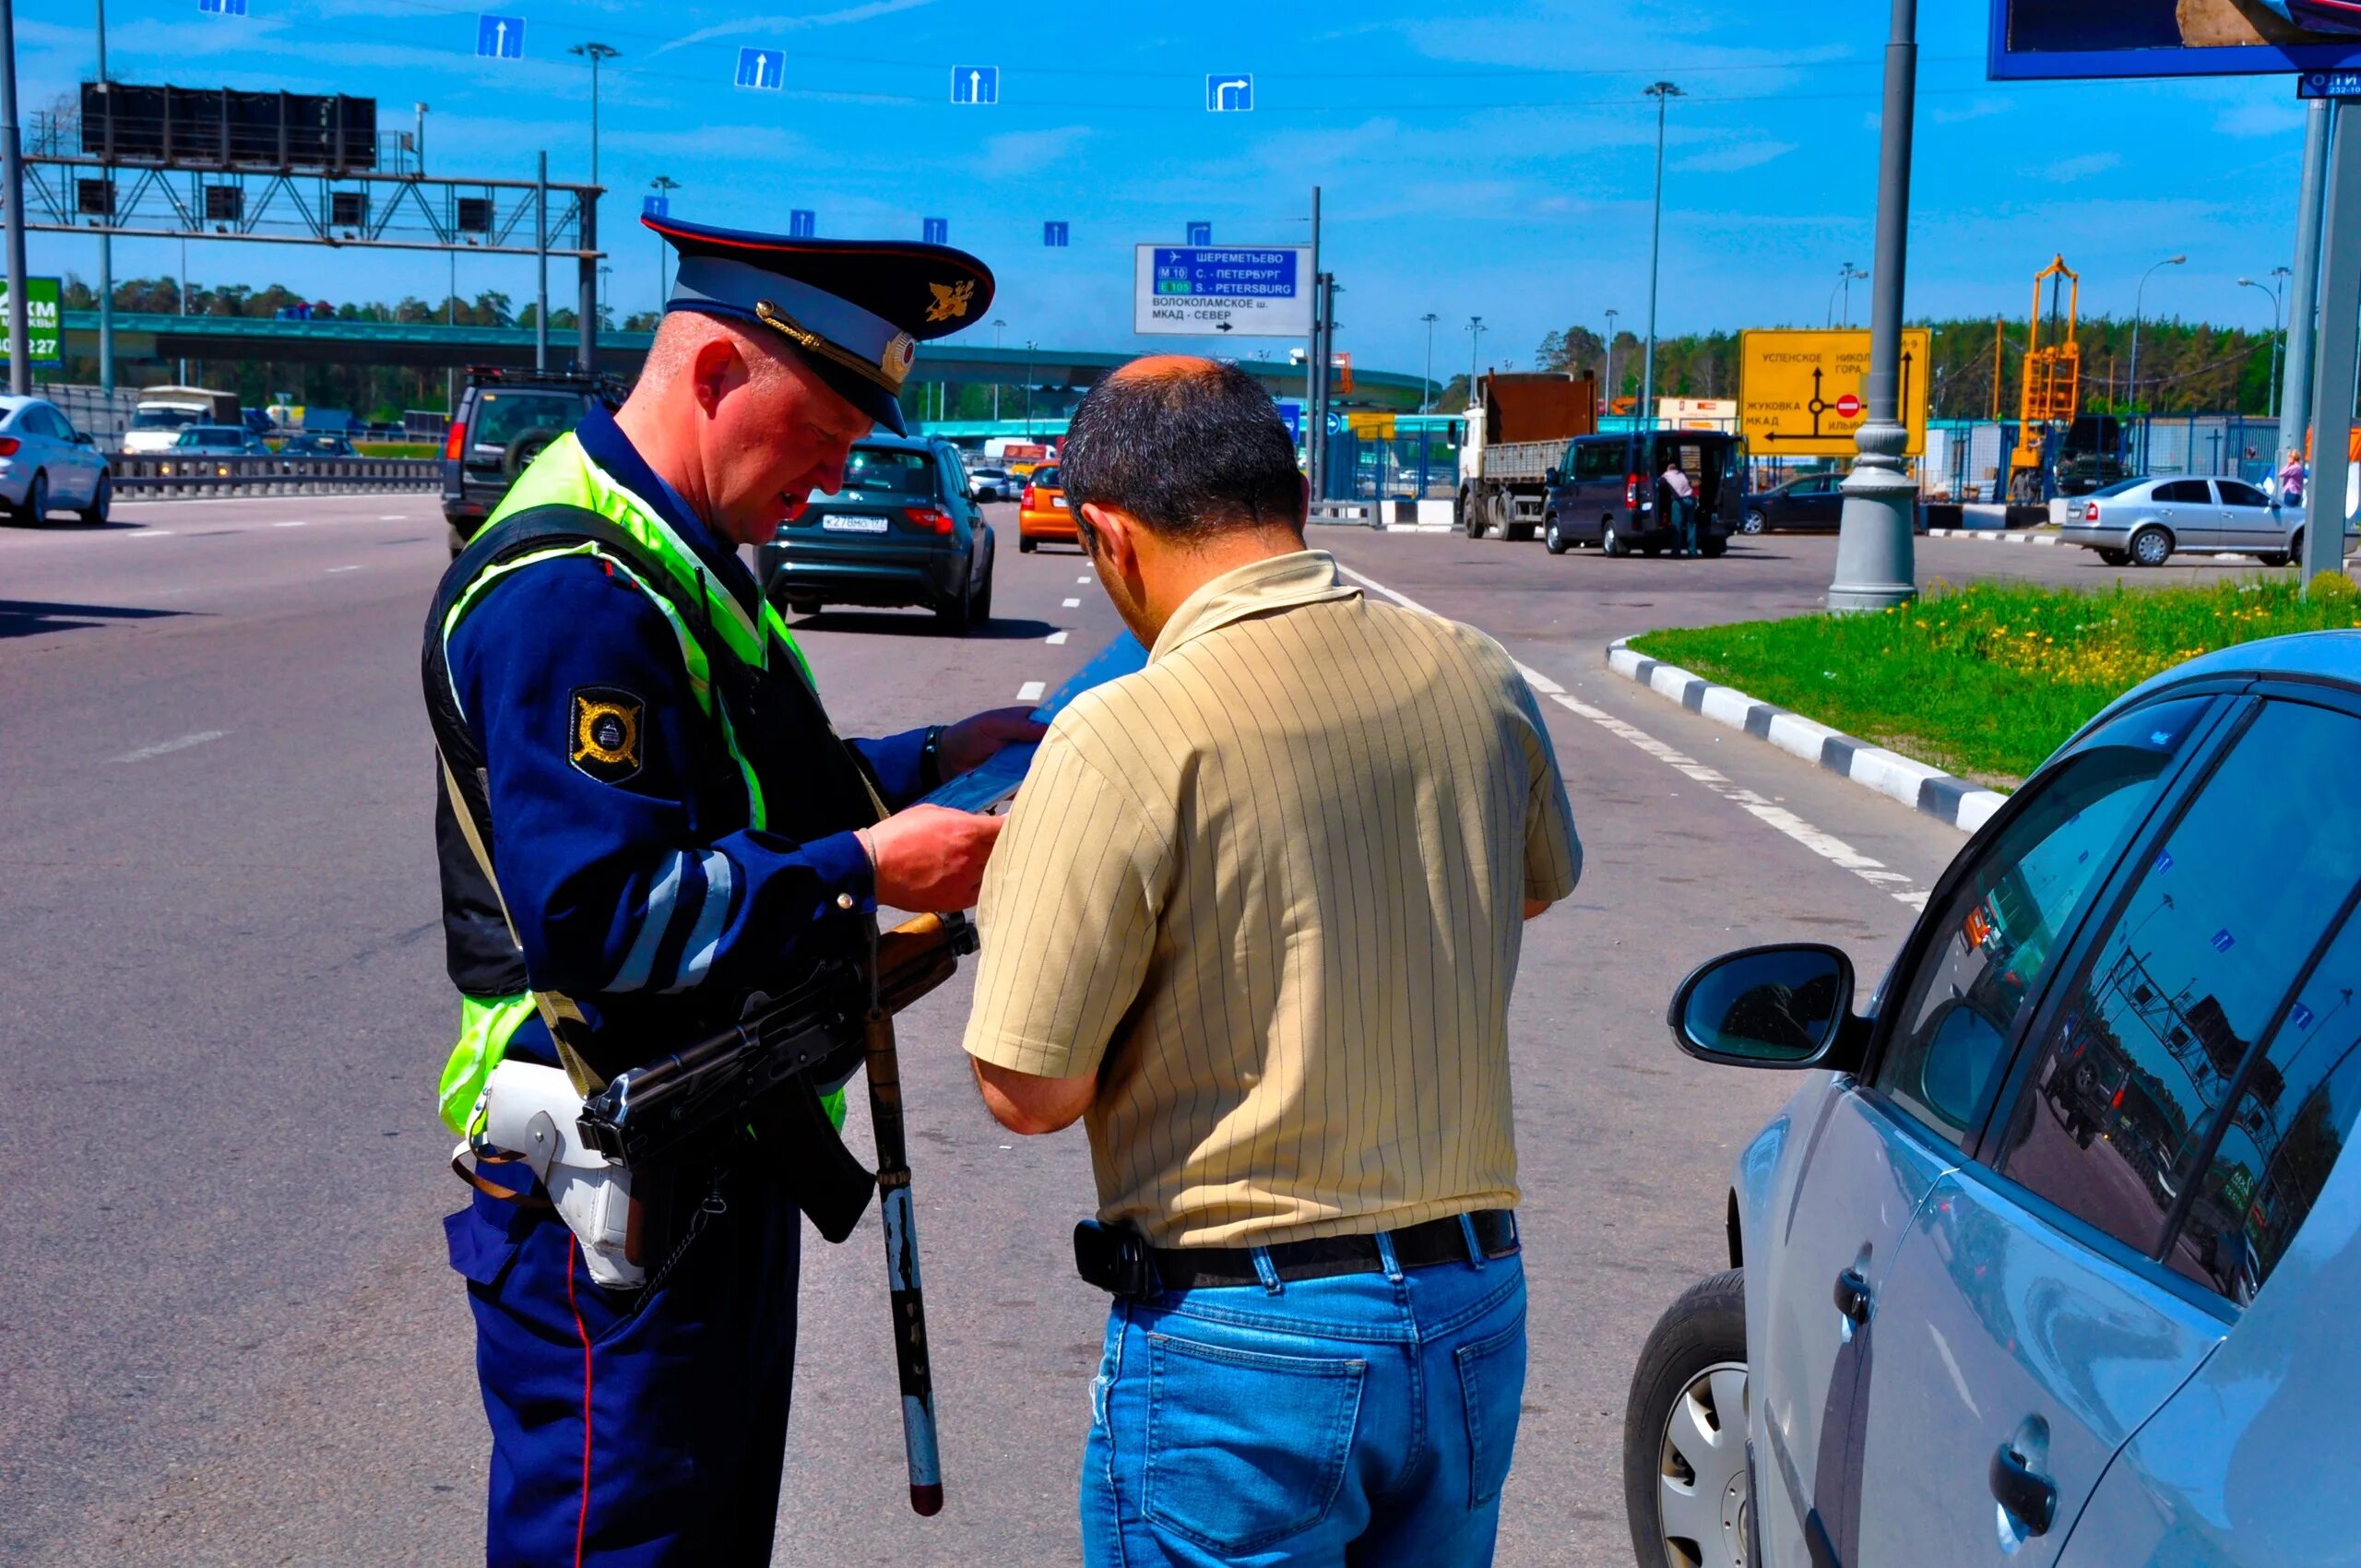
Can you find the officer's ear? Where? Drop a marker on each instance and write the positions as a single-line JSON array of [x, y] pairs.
[[716, 369]]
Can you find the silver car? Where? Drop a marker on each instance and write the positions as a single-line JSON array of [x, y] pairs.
[[46, 464], [2150, 520]]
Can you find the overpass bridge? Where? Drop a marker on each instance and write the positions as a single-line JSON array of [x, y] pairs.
[[156, 337]]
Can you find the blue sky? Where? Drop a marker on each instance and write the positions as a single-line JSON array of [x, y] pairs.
[[1492, 161]]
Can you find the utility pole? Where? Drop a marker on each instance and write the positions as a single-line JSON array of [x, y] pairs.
[[1315, 377], [540, 262], [2139, 303], [12, 169], [593, 53], [1427, 385], [2304, 294], [663, 185], [106, 242], [1664, 93], [1029, 346], [2332, 396], [1606, 400], [997, 324], [1874, 568], [2271, 289], [1476, 330]]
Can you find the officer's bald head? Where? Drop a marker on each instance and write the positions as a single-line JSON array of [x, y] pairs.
[[1189, 447]]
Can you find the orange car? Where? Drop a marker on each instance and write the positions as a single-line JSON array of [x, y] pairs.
[[1042, 511]]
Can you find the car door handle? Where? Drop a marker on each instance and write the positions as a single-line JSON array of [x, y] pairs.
[[1853, 1297], [2030, 1497]]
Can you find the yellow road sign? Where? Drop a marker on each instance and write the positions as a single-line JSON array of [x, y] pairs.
[[1800, 394], [1371, 427]]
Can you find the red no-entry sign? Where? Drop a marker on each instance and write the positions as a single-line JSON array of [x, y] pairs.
[[1850, 406]]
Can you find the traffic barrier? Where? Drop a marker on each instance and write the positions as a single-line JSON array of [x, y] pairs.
[[149, 476], [1352, 513]]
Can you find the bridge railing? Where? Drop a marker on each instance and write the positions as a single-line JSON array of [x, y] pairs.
[[162, 475]]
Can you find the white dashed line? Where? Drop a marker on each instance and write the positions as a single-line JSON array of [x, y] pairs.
[[180, 744], [1082, 579], [394, 518], [1057, 639], [1826, 845], [1073, 604], [298, 523], [150, 534], [1031, 691], [333, 570]]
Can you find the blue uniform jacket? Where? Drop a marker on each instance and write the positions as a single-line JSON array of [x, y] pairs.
[[653, 883]]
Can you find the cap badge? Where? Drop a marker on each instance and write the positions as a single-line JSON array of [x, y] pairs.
[[950, 300], [901, 355]]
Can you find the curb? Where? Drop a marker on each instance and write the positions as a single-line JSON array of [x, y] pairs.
[[1949, 800], [1995, 535]]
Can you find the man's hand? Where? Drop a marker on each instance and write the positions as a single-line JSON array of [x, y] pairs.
[[931, 858], [971, 742]]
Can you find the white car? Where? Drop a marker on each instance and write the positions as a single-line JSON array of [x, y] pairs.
[[45, 464], [2148, 521]]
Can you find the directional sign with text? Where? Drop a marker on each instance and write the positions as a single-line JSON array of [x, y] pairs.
[[975, 85], [1223, 291], [2329, 84], [498, 38], [41, 296], [1800, 392], [1230, 92], [762, 69]]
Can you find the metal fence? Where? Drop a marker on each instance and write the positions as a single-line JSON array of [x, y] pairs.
[[152, 476], [1967, 458]]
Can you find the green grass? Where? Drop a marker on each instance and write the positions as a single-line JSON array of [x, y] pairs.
[[1987, 681]]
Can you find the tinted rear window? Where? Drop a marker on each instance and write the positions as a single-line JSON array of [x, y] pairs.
[[214, 435], [890, 471], [2119, 487], [1047, 479], [502, 417], [162, 418]]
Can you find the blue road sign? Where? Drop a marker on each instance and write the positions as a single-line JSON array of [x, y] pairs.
[[1053, 233], [975, 85], [222, 8], [803, 223], [2329, 84], [1292, 411], [936, 231], [2224, 941], [654, 207], [763, 69], [1261, 273], [498, 38], [1230, 92], [1201, 233], [2300, 1016]]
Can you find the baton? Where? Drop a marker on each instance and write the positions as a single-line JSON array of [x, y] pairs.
[[907, 1304]]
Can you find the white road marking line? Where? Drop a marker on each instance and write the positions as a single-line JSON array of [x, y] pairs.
[[394, 518], [1057, 639], [1082, 579], [1825, 845], [1031, 691], [298, 523], [162, 747], [333, 570], [1072, 604], [150, 534]]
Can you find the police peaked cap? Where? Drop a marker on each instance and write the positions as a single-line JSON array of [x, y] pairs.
[[855, 309]]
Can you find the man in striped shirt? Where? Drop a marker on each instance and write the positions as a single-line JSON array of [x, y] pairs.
[[1256, 915]]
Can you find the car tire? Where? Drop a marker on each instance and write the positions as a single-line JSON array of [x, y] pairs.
[[1753, 522], [2274, 558], [1553, 538], [1471, 513], [35, 511], [1026, 546], [983, 606], [2152, 546], [525, 448], [2116, 557], [102, 499], [804, 607], [1684, 1423], [957, 618], [2295, 549], [1610, 542]]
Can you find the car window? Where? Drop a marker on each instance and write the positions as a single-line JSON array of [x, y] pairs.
[[2294, 1114], [2115, 1114], [892, 471], [1992, 941], [1047, 478], [502, 417], [2117, 488], [1599, 459], [45, 422], [2184, 491], [2235, 493]]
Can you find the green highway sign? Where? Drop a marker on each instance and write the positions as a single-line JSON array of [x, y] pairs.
[[40, 321]]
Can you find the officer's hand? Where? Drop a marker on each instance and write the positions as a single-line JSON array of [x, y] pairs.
[[931, 858], [971, 742]]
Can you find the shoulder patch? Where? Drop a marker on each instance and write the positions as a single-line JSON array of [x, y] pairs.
[[603, 733]]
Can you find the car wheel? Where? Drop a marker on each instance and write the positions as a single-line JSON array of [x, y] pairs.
[[2275, 558], [1687, 1492], [101, 497], [957, 618], [2116, 557], [984, 600], [804, 607], [2295, 548], [1552, 538], [1610, 541], [35, 511], [1471, 513], [1026, 546], [1753, 522], [2152, 547]]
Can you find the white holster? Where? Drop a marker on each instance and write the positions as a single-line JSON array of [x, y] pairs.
[[529, 1111]]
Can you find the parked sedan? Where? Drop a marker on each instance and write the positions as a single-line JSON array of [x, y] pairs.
[[46, 463], [2149, 520], [901, 530], [2051, 1258], [1813, 501]]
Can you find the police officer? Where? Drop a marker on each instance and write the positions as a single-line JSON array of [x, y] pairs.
[[646, 817]]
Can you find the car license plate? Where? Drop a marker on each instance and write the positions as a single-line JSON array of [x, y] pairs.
[[853, 525], [1059, 501]]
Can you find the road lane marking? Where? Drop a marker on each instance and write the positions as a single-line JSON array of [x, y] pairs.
[[1082, 579], [394, 518], [333, 570], [1031, 691], [179, 743], [1058, 639], [1770, 812], [150, 534], [1072, 604], [298, 523]]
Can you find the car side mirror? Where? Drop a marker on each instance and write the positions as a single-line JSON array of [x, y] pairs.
[[1552, 479], [83, 438], [1789, 1006]]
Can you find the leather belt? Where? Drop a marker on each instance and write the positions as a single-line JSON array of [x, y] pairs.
[[1416, 1246]]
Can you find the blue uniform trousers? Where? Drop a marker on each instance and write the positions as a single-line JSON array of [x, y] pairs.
[[630, 1433]]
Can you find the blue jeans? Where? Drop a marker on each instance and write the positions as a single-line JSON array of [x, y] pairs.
[[1367, 1419]]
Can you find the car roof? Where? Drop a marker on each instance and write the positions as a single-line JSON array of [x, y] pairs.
[[2331, 658], [894, 444]]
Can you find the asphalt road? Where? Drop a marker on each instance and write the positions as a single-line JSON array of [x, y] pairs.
[[231, 1334]]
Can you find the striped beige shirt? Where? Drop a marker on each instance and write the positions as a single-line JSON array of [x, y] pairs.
[[1270, 889]]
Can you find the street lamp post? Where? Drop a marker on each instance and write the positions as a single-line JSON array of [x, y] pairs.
[[20, 370], [2139, 300], [593, 53], [2275, 304], [663, 185], [1845, 275], [1426, 386], [1029, 389], [997, 324], [106, 242], [1475, 339], [1606, 401], [1664, 93]]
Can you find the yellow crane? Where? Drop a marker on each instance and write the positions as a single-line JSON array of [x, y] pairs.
[[2053, 382]]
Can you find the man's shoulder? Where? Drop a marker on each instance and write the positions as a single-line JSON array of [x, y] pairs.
[[567, 611]]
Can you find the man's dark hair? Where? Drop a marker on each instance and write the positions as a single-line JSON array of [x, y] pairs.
[[1188, 451]]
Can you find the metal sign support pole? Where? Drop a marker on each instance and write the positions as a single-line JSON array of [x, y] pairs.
[[2339, 351], [106, 244], [1874, 565], [12, 172], [2303, 304], [541, 262], [586, 284], [1315, 375]]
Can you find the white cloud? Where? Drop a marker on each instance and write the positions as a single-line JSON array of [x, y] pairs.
[[1020, 154], [754, 27], [2084, 167], [1979, 106], [2266, 117], [1730, 159]]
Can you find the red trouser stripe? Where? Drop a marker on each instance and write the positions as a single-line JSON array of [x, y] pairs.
[[582, 1518]]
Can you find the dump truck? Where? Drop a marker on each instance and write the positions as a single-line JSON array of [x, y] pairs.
[[1517, 432]]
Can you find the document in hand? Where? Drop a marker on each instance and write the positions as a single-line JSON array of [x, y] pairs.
[[983, 789]]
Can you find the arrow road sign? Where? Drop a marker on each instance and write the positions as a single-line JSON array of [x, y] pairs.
[[1201, 233], [497, 38], [1804, 394], [935, 230], [978, 85], [1230, 93], [803, 223], [1053, 233], [654, 207], [762, 69], [222, 8]]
